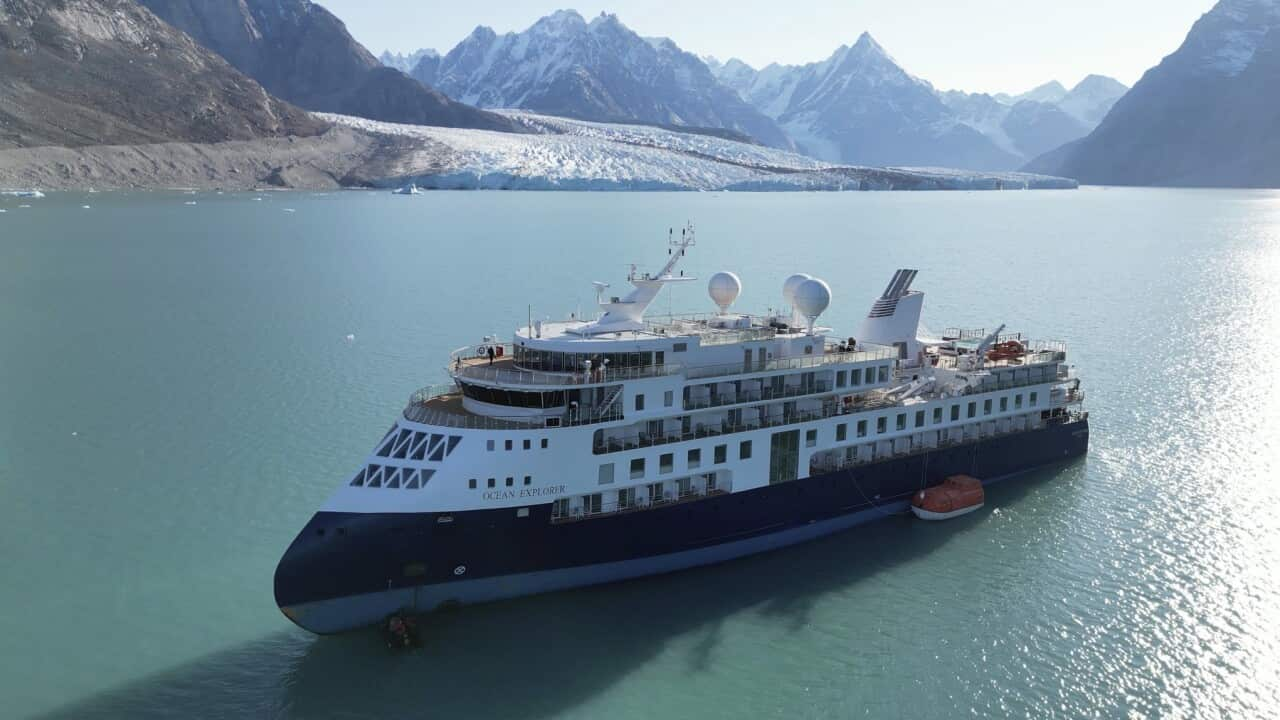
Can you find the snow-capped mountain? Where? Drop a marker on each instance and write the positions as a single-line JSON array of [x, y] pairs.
[[406, 62], [860, 106], [1206, 115], [1040, 119], [597, 70]]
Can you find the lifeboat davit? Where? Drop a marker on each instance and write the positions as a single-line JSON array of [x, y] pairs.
[[957, 495]]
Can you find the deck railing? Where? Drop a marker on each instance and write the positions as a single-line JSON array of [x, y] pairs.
[[508, 374], [421, 410]]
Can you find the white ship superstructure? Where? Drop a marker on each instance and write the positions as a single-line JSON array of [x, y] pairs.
[[585, 451]]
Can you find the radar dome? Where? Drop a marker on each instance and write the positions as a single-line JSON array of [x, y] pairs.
[[812, 298], [789, 287], [724, 288]]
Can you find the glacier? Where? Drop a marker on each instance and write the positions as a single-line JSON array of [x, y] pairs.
[[565, 154]]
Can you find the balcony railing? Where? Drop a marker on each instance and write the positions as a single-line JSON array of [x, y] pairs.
[[636, 505]]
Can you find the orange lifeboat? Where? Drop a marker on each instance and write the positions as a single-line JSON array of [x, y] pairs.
[[957, 495]]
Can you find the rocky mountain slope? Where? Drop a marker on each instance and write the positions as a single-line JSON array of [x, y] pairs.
[[598, 70], [1209, 114], [302, 53], [90, 72]]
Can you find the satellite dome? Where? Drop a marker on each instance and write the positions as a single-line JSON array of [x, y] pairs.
[[812, 298], [790, 284], [724, 288]]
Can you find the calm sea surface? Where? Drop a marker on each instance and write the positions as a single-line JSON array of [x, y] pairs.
[[178, 395]]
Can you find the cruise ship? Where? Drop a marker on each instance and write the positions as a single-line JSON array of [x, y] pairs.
[[586, 451]]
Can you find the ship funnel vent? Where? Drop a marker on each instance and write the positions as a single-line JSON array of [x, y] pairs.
[[898, 287]]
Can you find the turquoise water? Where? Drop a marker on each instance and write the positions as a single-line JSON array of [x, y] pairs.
[[177, 396]]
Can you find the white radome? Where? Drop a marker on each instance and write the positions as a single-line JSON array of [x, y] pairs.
[[789, 287], [812, 298], [724, 288]]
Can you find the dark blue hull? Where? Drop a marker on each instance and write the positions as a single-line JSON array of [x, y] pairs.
[[348, 570]]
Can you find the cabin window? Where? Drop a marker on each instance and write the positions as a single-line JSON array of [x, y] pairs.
[[679, 347], [560, 508], [882, 424], [1017, 401], [591, 504], [919, 418], [862, 428], [544, 443], [721, 454], [509, 445], [471, 483], [1004, 404], [937, 415], [972, 410], [639, 403], [1031, 399], [528, 444], [883, 374], [842, 432], [808, 349], [955, 413], [810, 438], [695, 458], [842, 378], [489, 445], [492, 482], [986, 406], [626, 498], [528, 479], [606, 474], [901, 422], [666, 462], [855, 376], [744, 450], [511, 482], [668, 398], [637, 468]]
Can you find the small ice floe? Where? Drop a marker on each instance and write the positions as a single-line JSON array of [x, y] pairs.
[[2, 210], [351, 337], [75, 434], [189, 202], [84, 207], [24, 206], [290, 210], [23, 193], [258, 199]]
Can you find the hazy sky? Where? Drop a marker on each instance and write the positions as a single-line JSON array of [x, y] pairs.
[[975, 45]]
